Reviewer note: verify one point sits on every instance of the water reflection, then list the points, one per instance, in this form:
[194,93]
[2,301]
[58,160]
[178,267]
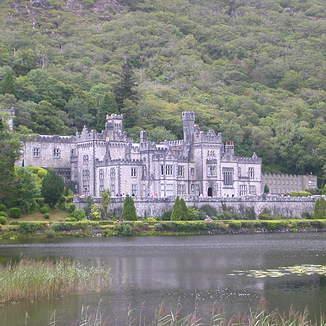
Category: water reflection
[191,270]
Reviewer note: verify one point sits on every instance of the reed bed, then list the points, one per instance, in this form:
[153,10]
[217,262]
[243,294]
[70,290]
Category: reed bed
[30,279]
[176,318]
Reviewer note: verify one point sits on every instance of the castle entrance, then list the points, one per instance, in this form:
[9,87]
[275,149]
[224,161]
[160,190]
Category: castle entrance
[210,192]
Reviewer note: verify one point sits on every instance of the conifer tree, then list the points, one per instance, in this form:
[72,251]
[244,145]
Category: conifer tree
[108,105]
[180,210]
[129,209]
[52,188]
[125,89]
[320,208]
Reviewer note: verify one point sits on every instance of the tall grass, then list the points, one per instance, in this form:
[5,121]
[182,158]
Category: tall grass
[31,279]
[175,317]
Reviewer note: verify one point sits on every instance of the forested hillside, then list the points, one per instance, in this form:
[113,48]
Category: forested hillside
[253,69]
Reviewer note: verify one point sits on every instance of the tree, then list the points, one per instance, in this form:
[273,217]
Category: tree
[320,208]
[108,105]
[129,209]
[125,89]
[9,154]
[180,210]
[7,85]
[52,188]
[106,200]
[266,189]
[95,212]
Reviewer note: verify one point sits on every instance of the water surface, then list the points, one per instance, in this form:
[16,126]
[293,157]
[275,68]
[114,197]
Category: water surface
[148,271]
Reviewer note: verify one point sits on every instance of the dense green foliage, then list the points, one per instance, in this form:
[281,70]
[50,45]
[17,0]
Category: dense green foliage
[180,210]
[129,209]
[254,70]
[320,208]
[52,188]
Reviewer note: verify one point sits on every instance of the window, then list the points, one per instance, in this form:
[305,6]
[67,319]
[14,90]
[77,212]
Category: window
[181,189]
[85,159]
[251,173]
[134,189]
[180,171]
[211,170]
[86,189]
[112,172]
[144,171]
[252,190]
[112,189]
[192,188]
[162,169]
[211,153]
[228,176]
[239,172]
[243,190]
[134,172]
[85,174]
[169,169]
[192,172]
[101,174]
[101,188]
[36,152]
[56,153]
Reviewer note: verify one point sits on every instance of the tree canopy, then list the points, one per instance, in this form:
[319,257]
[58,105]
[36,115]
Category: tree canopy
[254,70]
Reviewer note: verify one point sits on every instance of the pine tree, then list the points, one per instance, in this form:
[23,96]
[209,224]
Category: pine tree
[125,89]
[180,210]
[108,105]
[129,209]
[266,189]
[52,188]
[320,208]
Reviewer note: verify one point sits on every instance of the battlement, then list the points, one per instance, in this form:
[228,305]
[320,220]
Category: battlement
[55,139]
[114,117]
[188,115]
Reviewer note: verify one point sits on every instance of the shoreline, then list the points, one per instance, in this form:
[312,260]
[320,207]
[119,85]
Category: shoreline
[47,230]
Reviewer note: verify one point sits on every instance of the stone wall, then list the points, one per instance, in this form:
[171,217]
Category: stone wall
[276,205]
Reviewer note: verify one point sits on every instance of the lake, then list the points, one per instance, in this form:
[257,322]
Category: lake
[194,270]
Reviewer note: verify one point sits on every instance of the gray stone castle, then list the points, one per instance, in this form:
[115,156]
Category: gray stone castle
[200,165]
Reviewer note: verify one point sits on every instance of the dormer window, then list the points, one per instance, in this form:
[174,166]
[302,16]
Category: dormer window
[56,153]
[134,172]
[36,152]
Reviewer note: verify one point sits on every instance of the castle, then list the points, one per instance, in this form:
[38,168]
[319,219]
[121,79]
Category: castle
[200,165]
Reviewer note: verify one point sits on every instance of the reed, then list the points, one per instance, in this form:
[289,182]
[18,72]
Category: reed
[174,317]
[31,279]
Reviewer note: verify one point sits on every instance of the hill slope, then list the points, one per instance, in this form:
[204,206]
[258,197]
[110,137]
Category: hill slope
[254,69]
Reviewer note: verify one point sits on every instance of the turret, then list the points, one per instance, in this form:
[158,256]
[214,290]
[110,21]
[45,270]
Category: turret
[113,126]
[229,148]
[188,118]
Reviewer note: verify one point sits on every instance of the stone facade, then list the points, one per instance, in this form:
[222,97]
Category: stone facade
[200,165]
[286,183]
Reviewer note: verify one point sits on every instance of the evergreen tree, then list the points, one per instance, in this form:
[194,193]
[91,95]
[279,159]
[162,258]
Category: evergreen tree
[52,188]
[125,89]
[320,208]
[108,105]
[129,209]
[95,212]
[7,86]
[180,210]
[9,154]
[266,189]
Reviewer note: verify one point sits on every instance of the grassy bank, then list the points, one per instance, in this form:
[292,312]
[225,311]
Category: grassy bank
[31,280]
[44,229]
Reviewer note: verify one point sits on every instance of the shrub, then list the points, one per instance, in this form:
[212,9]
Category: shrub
[3,207]
[166,216]
[180,211]
[209,210]
[3,220]
[129,209]
[14,212]
[195,214]
[79,214]
[44,209]
[320,208]
[124,229]
[306,215]
[29,227]
[3,213]
[150,220]
[95,213]
[300,194]
[71,208]
[46,216]
[265,215]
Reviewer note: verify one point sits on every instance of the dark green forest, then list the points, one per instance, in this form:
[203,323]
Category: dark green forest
[253,69]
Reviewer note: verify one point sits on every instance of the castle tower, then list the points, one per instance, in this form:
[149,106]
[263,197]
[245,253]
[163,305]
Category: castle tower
[188,118]
[113,126]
